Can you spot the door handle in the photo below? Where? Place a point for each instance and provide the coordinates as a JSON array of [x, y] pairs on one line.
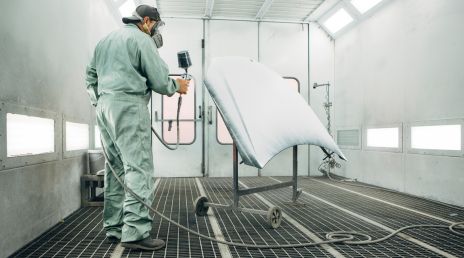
[[210, 115], [157, 119]]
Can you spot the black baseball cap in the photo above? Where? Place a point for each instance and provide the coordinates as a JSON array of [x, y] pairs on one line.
[[142, 11]]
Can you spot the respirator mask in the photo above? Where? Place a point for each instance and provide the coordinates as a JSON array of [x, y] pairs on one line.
[[155, 32]]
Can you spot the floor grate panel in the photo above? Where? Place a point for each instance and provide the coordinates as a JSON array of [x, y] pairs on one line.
[[81, 234], [391, 216], [174, 198], [321, 219], [252, 228]]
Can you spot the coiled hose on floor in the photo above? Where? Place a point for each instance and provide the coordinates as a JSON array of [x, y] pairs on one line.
[[345, 237]]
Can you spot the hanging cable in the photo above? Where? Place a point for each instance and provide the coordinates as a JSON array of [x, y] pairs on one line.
[[179, 104]]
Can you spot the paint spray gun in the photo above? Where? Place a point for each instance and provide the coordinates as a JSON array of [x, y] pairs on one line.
[[184, 62], [183, 59]]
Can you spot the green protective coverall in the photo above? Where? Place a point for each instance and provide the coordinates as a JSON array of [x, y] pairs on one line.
[[124, 68]]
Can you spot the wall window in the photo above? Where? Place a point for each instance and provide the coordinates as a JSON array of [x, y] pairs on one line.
[[436, 137], [187, 117], [223, 135], [383, 137], [97, 138], [293, 83], [77, 136], [29, 135]]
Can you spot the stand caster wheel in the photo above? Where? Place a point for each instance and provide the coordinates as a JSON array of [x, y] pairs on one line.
[[200, 208], [274, 217]]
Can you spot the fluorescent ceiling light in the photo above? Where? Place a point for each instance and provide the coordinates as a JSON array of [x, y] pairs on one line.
[[364, 5], [127, 8], [338, 20]]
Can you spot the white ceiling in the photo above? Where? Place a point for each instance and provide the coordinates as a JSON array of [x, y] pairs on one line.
[[266, 10], [294, 11]]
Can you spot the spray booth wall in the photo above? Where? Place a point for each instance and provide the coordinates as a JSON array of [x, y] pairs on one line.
[[43, 58], [403, 65]]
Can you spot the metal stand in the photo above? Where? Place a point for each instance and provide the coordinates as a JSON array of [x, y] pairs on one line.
[[89, 183], [273, 214]]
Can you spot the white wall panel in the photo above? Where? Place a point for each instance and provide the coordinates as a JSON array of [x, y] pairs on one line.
[[232, 38], [402, 65], [43, 67], [435, 177]]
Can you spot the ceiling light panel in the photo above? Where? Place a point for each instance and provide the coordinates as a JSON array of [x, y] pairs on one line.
[[338, 21]]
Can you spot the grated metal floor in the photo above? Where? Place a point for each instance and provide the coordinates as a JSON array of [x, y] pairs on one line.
[[325, 206]]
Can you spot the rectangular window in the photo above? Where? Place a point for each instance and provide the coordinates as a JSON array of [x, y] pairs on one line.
[[77, 136], [223, 135], [97, 138], [338, 21], [383, 137], [187, 112], [364, 5], [29, 135], [293, 83], [186, 134], [436, 137]]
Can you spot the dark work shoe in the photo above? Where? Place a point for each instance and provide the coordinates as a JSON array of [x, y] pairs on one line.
[[145, 244], [112, 239]]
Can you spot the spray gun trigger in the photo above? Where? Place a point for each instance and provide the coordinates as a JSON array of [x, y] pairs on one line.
[[186, 76], [169, 125]]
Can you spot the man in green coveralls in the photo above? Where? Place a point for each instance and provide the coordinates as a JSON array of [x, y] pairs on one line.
[[124, 68]]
